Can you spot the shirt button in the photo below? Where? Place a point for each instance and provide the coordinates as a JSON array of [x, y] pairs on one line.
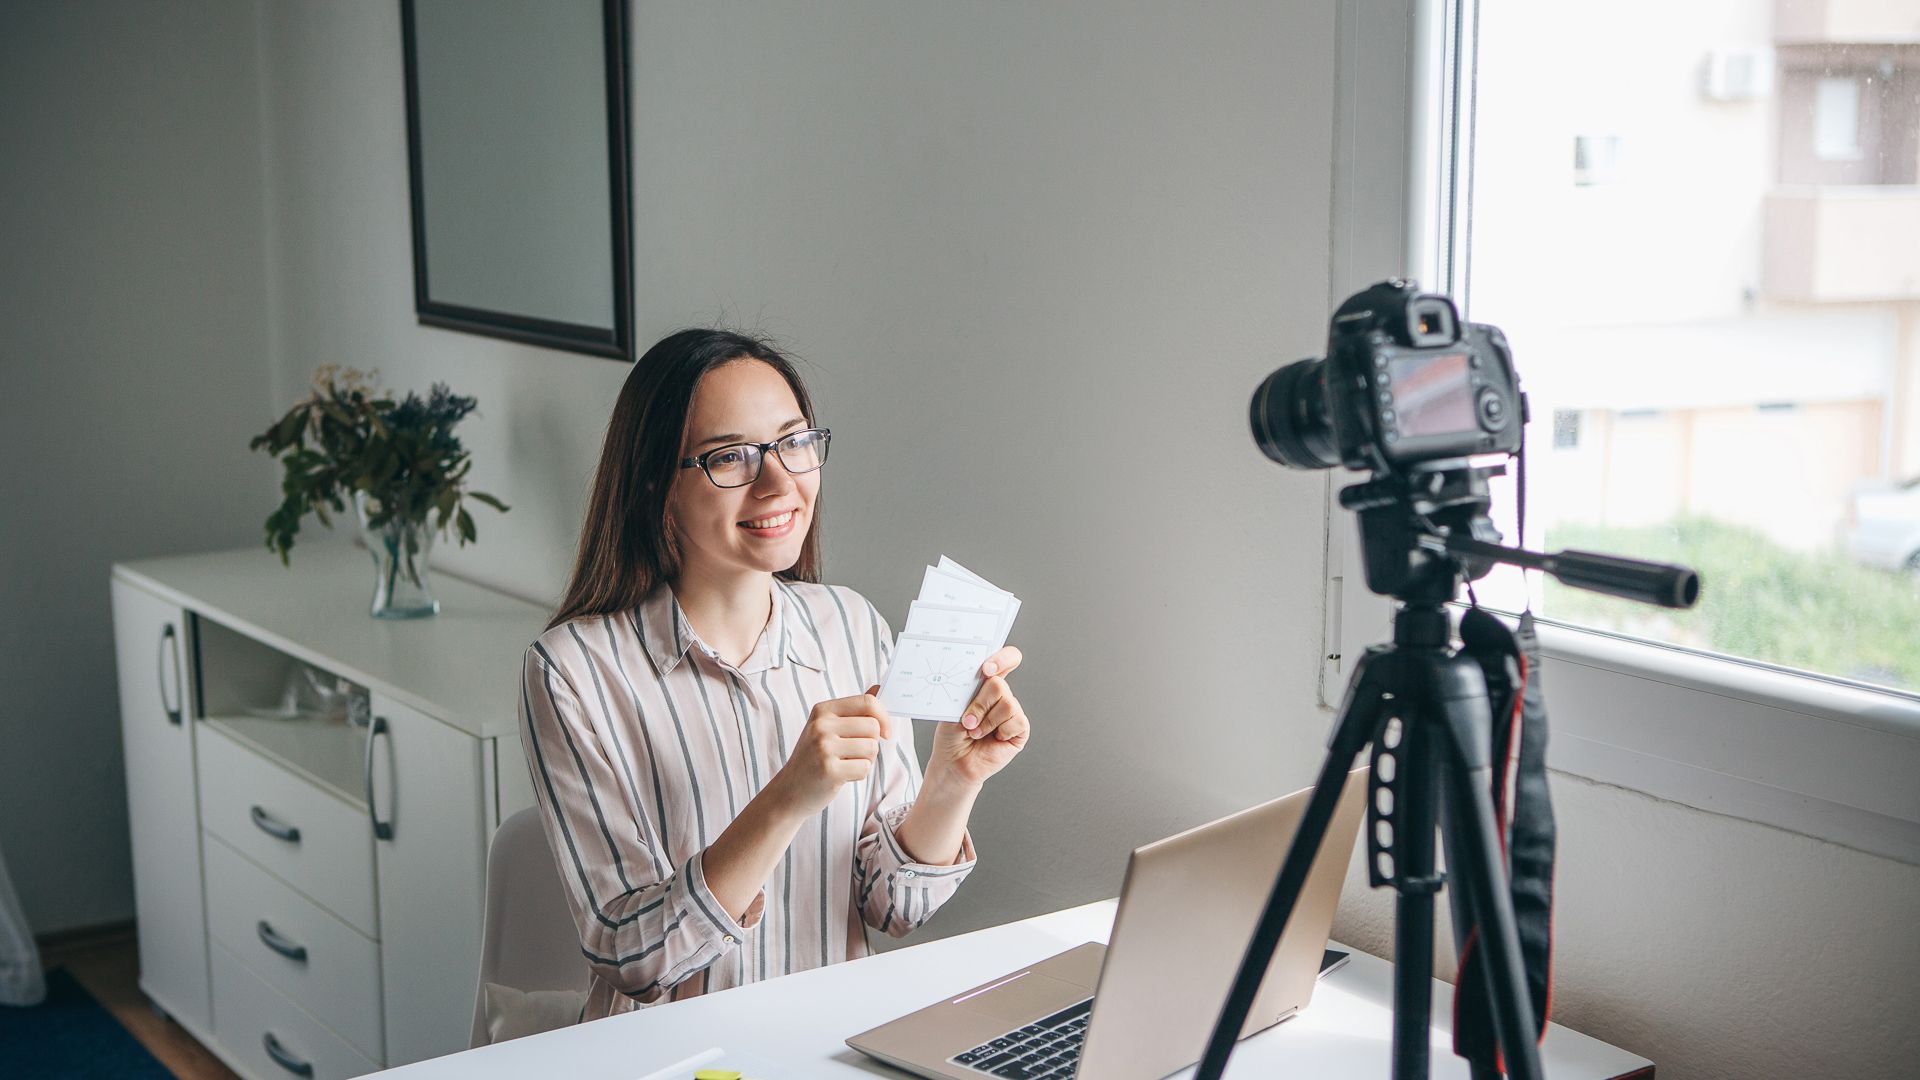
[[729, 939], [908, 873]]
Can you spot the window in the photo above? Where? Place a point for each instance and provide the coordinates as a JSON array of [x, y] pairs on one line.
[[1728, 269], [1566, 429], [1596, 160], [1734, 342], [1836, 119]]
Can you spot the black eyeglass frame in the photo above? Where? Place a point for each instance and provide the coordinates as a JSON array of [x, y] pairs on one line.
[[700, 461]]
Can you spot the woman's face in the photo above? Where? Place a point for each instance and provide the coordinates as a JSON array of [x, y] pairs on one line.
[[743, 401]]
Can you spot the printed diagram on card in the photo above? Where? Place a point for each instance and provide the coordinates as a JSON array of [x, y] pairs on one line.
[[959, 621], [933, 679]]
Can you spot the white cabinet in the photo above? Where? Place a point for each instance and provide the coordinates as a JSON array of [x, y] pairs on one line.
[[150, 647], [310, 890], [427, 796]]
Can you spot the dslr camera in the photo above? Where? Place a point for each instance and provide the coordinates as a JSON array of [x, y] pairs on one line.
[[1405, 389]]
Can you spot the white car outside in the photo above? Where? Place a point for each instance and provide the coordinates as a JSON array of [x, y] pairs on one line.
[[1886, 530]]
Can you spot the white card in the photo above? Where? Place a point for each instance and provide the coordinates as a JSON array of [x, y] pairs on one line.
[[959, 620], [935, 620], [934, 678], [949, 590], [953, 567], [941, 587]]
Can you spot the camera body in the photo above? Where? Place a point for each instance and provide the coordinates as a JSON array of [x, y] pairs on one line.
[[1405, 388]]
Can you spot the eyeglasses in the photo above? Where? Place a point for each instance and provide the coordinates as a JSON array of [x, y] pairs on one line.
[[738, 464]]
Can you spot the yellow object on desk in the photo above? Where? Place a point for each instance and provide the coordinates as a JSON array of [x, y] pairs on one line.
[[717, 1074]]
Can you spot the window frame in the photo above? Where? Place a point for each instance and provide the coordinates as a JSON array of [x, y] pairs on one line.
[[1809, 754]]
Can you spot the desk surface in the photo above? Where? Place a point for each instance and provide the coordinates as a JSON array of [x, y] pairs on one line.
[[803, 1019]]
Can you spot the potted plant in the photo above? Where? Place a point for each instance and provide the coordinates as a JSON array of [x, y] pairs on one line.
[[400, 463]]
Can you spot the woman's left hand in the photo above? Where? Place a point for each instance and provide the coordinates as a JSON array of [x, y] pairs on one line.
[[992, 731]]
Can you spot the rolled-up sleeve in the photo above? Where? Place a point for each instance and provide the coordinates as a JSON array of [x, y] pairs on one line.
[[897, 894], [645, 925]]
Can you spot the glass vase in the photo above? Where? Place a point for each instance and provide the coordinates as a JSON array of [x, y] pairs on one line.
[[399, 548]]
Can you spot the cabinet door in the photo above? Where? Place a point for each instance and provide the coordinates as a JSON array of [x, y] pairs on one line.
[[516, 782], [429, 812], [156, 728]]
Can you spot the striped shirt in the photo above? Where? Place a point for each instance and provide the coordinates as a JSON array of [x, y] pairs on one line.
[[644, 745]]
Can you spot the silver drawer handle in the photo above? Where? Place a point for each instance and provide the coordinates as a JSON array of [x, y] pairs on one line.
[[382, 830], [271, 827], [272, 940], [168, 637], [283, 1059]]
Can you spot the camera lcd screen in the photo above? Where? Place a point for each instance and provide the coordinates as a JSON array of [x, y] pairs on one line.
[[1432, 395]]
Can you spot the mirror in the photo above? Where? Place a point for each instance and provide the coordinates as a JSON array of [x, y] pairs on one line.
[[517, 150]]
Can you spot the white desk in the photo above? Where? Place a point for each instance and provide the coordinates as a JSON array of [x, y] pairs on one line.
[[803, 1019]]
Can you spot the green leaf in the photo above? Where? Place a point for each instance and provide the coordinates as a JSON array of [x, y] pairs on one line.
[[290, 426], [343, 440], [488, 499]]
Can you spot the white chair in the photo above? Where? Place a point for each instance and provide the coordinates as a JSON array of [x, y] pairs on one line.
[[529, 942]]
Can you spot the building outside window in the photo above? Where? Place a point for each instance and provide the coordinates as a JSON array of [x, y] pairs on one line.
[[1722, 342]]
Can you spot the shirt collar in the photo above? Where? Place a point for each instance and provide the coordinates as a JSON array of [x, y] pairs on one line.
[[667, 635]]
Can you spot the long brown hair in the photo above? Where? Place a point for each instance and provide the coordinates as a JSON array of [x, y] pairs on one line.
[[626, 542]]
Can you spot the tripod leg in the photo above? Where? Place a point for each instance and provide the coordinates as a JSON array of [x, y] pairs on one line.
[[1462, 912], [1476, 867], [1352, 730], [1413, 918]]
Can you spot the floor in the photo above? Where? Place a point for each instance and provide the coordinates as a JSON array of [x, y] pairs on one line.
[[107, 962]]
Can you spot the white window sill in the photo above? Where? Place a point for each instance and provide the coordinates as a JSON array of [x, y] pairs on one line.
[[1825, 759]]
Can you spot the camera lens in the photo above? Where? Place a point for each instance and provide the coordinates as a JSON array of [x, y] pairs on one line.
[[1289, 417]]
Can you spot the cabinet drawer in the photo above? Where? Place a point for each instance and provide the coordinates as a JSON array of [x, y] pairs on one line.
[[327, 967], [327, 850], [254, 1022]]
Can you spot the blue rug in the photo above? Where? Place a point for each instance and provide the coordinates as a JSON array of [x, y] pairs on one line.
[[69, 1034]]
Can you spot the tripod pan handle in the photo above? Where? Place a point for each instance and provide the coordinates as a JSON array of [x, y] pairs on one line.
[[1655, 583]]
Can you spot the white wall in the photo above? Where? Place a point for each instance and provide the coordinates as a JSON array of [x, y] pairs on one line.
[[133, 370]]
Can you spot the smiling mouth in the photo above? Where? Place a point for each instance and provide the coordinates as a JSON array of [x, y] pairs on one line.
[[774, 522]]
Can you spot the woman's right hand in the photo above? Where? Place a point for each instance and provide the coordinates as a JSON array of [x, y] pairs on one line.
[[837, 747]]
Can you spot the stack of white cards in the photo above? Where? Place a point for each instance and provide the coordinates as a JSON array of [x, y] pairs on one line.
[[960, 619]]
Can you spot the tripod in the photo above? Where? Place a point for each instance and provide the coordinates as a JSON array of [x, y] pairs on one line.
[[1423, 707]]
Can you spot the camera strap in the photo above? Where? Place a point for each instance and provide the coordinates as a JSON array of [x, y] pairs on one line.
[[1523, 813]]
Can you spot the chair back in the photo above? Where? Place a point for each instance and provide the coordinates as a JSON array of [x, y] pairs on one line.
[[529, 941]]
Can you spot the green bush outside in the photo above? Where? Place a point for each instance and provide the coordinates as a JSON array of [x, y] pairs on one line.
[[1819, 612]]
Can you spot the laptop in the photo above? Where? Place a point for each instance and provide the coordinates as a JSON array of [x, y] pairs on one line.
[[1142, 1006]]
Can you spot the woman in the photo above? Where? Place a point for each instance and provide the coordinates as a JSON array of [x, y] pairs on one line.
[[726, 799]]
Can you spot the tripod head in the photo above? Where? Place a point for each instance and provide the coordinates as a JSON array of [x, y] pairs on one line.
[[1424, 532], [1410, 393]]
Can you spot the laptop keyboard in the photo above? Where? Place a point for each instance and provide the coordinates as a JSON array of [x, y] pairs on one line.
[[1048, 1048]]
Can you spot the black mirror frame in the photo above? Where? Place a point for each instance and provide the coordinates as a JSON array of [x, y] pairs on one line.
[[617, 342]]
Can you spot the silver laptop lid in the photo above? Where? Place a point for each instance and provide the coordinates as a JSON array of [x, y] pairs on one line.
[[1187, 911]]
